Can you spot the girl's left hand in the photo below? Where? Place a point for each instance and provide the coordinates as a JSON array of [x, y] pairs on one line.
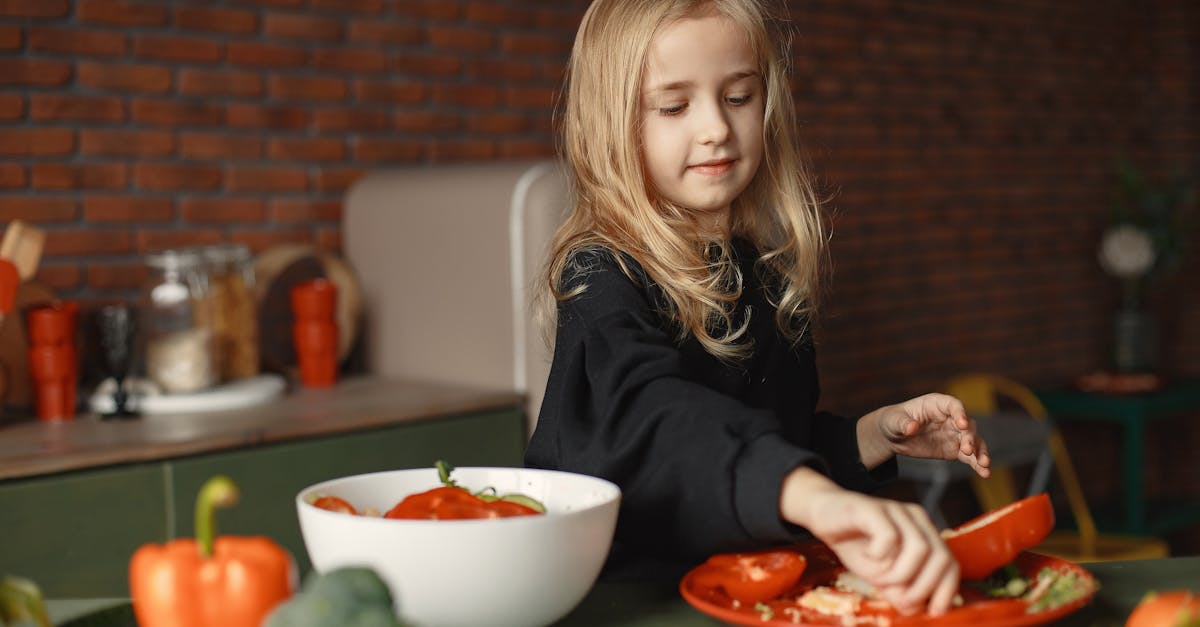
[[934, 426]]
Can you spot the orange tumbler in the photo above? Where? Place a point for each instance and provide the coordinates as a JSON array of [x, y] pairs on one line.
[[315, 332], [53, 362]]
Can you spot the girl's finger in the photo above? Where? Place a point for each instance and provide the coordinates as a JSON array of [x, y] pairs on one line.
[[914, 543]]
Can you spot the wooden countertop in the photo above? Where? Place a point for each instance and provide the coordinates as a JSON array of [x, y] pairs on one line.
[[36, 447]]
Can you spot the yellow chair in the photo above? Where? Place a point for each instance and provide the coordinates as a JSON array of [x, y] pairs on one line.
[[982, 395]]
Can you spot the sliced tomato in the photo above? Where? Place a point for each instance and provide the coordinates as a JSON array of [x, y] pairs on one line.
[[334, 504], [984, 544], [752, 577], [1172, 608]]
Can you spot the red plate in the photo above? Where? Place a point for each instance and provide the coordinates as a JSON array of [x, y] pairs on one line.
[[823, 567]]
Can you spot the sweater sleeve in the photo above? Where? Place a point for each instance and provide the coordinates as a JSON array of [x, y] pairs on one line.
[[700, 471]]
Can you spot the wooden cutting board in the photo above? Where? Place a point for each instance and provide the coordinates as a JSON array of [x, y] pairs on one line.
[[14, 346], [280, 268]]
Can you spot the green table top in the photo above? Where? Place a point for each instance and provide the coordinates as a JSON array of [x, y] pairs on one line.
[[1122, 585]]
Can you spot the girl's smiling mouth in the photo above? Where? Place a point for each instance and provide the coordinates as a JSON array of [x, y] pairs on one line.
[[713, 167]]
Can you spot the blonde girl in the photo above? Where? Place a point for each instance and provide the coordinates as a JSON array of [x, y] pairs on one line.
[[683, 285]]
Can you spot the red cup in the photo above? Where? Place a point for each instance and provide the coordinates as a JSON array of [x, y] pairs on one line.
[[315, 332], [53, 363]]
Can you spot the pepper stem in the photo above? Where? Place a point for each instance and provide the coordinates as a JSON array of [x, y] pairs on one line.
[[219, 491], [444, 469]]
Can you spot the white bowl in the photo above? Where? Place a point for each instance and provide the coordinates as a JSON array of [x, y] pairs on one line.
[[525, 571]]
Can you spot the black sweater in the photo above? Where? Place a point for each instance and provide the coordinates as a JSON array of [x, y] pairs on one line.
[[699, 446]]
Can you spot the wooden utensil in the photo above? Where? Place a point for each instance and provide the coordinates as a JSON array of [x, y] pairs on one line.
[[22, 244]]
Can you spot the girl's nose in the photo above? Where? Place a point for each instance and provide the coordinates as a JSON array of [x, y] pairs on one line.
[[713, 126]]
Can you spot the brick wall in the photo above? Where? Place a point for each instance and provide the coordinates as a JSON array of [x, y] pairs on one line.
[[967, 148]]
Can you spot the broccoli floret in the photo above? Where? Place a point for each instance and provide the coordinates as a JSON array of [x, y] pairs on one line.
[[346, 597]]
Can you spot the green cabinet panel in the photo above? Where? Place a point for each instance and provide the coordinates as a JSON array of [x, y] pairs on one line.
[[270, 476], [74, 533]]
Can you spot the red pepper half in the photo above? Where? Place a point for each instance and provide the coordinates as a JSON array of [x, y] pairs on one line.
[[752, 577], [334, 504], [452, 502], [986, 543]]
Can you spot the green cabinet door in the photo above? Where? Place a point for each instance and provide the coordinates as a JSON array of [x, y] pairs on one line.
[[270, 476], [74, 533]]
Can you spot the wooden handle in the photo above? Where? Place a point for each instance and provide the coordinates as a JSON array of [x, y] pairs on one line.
[[23, 245]]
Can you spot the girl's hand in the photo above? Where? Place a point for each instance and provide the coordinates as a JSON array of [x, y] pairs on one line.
[[934, 426], [891, 545]]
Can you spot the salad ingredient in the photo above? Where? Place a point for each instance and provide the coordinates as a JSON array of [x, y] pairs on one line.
[[233, 581], [21, 601], [1171, 608], [986, 543], [454, 502], [752, 577], [347, 597], [1054, 588], [334, 504]]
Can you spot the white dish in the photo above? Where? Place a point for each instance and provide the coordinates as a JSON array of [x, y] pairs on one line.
[[145, 398]]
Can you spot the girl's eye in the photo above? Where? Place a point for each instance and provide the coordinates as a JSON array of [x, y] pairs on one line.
[[672, 110], [738, 100]]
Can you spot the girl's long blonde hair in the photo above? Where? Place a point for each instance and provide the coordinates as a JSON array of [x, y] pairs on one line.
[[615, 206]]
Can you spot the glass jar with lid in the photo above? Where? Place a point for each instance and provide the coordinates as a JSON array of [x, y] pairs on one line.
[[176, 316], [234, 319]]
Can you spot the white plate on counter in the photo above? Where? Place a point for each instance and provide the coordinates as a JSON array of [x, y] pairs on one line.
[[145, 398]]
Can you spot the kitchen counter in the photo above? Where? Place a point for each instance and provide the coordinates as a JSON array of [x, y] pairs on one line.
[[37, 447], [81, 495], [1122, 585]]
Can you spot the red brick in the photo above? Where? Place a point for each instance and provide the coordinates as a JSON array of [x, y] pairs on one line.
[[528, 44], [350, 61], [78, 243], [434, 9], [266, 179], [425, 121], [305, 210], [470, 95], [34, 8], [36, 142], [345, 6], [223, 210], [265, 55], [12, 175], [307, 149], [452, 150], [176, 48], [395, 92], [175, 176], [115, 276], [337, 179], [155, 112], [56, 106], [558, 20], [234, 21], [464, 39], [126, 143], [119, 13], [307, 88], [34, 72], [427, 64], [79, 175], [492, 69], [37, 209], [151, 240], [379, 32], [220, 83], [299, 26], [125, 77], [12, 106], [213, 146], [256, 116], [81, 41], [535, 97], [497, 123], [374, 149], [258, 241], [351, 119], [329, 239], [527, 149], [10, 37], [497, 15], [278, 4], [110, 208], [59, 276]]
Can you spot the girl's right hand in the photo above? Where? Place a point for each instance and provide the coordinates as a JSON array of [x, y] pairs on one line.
[[892, 545]]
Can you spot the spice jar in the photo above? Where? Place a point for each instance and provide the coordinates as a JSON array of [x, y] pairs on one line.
[[234, 321], [176, 314]]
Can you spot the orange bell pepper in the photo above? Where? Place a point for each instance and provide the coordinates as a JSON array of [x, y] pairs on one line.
[[232, 582]]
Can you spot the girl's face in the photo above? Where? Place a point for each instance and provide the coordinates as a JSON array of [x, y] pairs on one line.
[[702, 115]]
